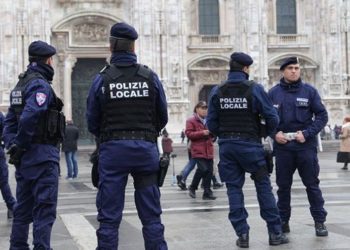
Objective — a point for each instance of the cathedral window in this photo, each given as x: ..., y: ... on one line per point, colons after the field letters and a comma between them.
x: 286, y: 17
x: 209, y: 19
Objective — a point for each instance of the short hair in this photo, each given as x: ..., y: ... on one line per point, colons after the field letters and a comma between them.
x: 235, y: 66
x: 200, y: 104
x: 120, y: 44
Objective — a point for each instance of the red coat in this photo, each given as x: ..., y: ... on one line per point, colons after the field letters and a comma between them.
x: 167, y: 144
x: 201, y: 145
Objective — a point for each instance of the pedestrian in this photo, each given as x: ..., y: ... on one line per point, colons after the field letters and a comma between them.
x: 34, y: 128
x: 187, y: 169
x: 344, y: 152
x: 202, y: 151
x: 167, y: 144
x: 235, y: 108
x: 126, y: 110
x: 183, y: 136
x: 337, y: 131
x: 5, y: 189
x: 328, y: 132
x: 302, y: 116
x: 70, y: 147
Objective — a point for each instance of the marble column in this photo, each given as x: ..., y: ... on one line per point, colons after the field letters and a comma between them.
x: 67, y: 85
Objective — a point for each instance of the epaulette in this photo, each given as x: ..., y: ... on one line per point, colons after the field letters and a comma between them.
x: 144, y: 71
x: 112, y: 71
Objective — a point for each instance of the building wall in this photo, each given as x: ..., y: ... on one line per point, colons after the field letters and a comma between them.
x: 169, y: 42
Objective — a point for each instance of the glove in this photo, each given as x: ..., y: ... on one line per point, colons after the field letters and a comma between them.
x: 16, y: 154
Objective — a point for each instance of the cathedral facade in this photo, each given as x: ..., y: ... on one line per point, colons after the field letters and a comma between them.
x: 187, y: 42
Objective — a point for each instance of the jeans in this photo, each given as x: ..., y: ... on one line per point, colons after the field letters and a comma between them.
x: 72, y: 165
x: 188, y: 168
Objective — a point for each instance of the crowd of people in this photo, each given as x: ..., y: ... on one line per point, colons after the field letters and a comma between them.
x: 126, y: 123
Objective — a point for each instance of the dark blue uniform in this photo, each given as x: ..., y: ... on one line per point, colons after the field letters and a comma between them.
x: 118, y: 159
x: 300, y: 109
x: 4, y: 185
x: 37, y: 172
x: 240, y: 155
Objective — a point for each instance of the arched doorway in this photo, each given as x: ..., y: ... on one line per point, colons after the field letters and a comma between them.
x: 205, y: 92
x: 82, y: 76
x: 204, y: 74
x: 308, y: 72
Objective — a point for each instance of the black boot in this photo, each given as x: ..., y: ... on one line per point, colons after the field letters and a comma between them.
x: 277, y: 239
x: 321, y: 229
x: 285, y: 227
x: 243, y: 241
x: 208, y: 195
x: 345, y: 166
x: 192, y: 192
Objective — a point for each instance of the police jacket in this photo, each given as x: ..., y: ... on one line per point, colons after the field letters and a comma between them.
x: 299, y: 107
x: 260, y: 106
x: 95, y: 110
x: 38, y: 97
x: 201, y: 145
x: 1, y: 131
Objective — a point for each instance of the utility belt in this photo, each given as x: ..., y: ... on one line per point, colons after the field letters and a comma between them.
x: 53, y: 142
x: 129, y: 135
x: 239, y: 137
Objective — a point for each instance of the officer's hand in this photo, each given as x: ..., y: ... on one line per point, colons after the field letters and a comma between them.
x: 299, y: 137
x: 280, y: 138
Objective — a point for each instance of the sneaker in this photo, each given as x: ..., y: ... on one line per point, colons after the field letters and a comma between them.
x: 180, y: 183
x: 192, y: 192
x: 321, y: 229
x: 217, y: 185
x: 285, y: 227
x: 277, y: 239
x: 243, y: 241
x: 9, y: 214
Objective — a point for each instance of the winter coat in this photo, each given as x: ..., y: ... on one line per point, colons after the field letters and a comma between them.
x: 345, y: 138
x: 201, y: 145
x: 167, y: 144
x: 70, y: 140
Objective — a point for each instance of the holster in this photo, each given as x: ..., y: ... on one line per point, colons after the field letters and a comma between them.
x: 16, y: 154
x: 94, y: 170
x: 163, y: 169
x: 269, y: 160
x: 94, y: 175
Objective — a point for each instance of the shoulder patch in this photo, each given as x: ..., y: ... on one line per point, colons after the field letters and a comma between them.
x: 40, y: 98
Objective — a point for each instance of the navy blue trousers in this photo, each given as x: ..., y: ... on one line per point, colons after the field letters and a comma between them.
x: 306, y: 163
x: 110, y: 204
x: 37, y: 188
x: 237, y: 158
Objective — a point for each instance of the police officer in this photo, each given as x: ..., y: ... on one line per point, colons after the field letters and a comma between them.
x: 126, y: 110
x: 302, y: 117
x: 4, y: 177
x: 235, y: 109
x: 34, y: 127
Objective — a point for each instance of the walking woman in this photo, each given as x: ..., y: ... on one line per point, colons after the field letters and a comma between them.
x: 344, y: 152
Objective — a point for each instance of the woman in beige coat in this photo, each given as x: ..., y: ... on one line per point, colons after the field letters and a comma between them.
x: 344, y: 152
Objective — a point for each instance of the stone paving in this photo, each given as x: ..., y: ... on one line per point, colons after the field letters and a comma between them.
x: 192, y: 224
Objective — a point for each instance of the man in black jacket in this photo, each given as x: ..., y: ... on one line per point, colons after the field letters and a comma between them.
x: 69, y: 147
